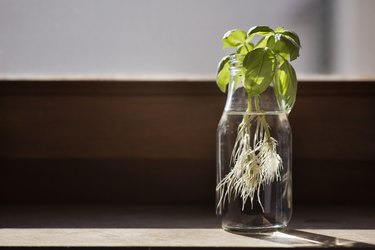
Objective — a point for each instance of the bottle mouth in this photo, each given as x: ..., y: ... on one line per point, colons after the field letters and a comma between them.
x: 235, y: 61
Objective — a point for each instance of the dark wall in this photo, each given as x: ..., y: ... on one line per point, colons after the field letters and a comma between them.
x: 154, y: 142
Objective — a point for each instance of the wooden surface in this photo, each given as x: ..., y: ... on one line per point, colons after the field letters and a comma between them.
x: 92, y: 142
x: 116, y: 226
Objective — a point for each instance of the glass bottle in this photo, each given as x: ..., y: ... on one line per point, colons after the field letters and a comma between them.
x: 268, y: 206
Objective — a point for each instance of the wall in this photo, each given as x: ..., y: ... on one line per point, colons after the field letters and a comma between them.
x: 354, y: 38
x: 159, y: 38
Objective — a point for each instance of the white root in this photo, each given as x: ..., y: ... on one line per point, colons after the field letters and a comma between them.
x: 255, y: 164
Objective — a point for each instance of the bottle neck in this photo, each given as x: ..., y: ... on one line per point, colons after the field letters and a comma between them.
x: 237, y: 95
x: 238, y: 99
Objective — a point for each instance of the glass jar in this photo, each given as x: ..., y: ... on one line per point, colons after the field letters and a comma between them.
x: 254, y: 168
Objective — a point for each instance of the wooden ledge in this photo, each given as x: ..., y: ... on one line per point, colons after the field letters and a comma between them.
x: 171, y: 227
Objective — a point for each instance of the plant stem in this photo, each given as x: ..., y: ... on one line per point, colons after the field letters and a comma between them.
x: 246, y: 118
x: 248, y: 103
x: 262, y: 119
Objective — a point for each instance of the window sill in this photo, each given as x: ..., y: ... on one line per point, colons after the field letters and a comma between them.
x: 163, y: 227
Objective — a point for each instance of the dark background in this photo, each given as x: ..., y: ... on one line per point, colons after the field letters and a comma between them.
x: 124, y: 142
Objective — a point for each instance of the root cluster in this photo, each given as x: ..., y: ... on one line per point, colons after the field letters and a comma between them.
x: 255, y: 163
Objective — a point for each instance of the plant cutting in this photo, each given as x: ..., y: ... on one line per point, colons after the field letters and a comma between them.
x: 259, y: 71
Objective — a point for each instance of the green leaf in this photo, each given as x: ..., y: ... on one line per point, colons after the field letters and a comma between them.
x: 245, y: 48
x: 223, y: 74
x: 286, y: 47
x: 285, y: 85
x: 263, y: 42
x: 280, y: 46
x: 279, y: 30
x: 260, y: 30
x: 234, y: 38
x: 259, y: 70
x: 271, y: 42
x: 292, y: 35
